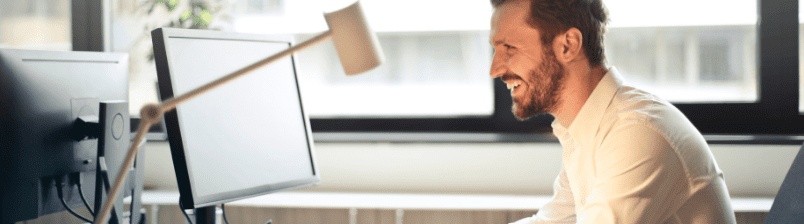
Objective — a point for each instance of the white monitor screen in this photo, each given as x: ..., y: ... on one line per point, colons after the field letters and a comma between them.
x: 245, y: 138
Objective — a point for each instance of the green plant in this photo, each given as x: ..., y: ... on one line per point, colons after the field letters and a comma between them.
x: 198, y: 16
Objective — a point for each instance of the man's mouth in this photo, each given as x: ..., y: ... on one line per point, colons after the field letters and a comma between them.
x: 512, y: 85
x: 511, y: 80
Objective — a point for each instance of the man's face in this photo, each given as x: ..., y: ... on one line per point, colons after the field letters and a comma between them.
x: 521, y: 60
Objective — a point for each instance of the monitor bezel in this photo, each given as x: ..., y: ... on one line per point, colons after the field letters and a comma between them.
x: 183, y: 174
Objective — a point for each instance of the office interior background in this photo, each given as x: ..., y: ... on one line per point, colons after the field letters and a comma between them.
x: 417, y: 125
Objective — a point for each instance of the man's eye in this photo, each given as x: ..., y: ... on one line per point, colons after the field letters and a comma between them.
x: 509, y: 49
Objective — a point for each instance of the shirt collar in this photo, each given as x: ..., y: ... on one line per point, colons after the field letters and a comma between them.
x: 586, y: 123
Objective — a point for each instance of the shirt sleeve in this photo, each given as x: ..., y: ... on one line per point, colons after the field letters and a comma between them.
x: 639, y: 179
x: 560, y: 209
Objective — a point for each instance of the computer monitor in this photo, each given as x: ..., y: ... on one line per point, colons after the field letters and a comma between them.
x: 247, y: 138
x: 41, y: 95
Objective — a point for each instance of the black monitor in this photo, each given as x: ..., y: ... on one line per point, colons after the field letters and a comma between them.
x: 247, y: 138
x: 42, y: 93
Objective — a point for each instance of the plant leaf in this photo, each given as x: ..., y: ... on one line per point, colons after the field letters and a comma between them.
x: 206, y: 17
x: 172, y: 4
x: 185, y: 15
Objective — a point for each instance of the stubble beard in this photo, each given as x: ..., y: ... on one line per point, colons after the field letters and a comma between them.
x: 543, y: 87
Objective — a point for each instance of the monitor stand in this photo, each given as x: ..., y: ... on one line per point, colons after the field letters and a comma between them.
x: 111, y: 130
x: 113, y: 141
x: 205, y: 215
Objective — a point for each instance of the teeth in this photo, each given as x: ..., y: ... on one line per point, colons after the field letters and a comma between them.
x: 512, y: 85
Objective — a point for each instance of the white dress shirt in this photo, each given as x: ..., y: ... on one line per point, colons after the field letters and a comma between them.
x: 630, y: 157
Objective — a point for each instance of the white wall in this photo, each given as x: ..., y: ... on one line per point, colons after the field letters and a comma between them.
x: 481, y: 168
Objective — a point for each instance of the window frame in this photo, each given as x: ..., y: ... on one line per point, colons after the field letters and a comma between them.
x: 775, y: 112
x: 90, y: 25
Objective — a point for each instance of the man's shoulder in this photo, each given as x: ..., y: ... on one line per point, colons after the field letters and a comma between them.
x: 646, y: 117
x: 633, y: 106
x: 635, y: 109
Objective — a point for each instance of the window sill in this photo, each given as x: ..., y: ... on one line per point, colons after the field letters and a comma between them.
x: 422, y: 137
x: 339, y: 200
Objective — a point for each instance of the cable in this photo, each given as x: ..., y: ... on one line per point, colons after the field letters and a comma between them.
x: 84, y: 199
x: 224, y: 213
x: 64, y: 203
x: 181, y: 207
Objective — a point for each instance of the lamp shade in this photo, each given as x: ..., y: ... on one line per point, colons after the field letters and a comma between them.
x: 357, y: 46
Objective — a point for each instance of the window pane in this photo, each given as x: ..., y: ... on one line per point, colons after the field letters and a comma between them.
x: 707, y: 55
x: 35, y: 25
x: 437, y: 62
x: 425, y: 74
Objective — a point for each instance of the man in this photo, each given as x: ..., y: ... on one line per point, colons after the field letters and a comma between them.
x: 628, y: 157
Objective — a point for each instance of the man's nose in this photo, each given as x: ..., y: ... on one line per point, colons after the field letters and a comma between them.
x: 499, y: 65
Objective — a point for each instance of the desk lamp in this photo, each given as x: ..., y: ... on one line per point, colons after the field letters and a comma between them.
x: 355, y: 42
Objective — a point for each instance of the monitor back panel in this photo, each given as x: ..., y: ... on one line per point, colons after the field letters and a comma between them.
x: 246, y: 138
x: 41, y: 94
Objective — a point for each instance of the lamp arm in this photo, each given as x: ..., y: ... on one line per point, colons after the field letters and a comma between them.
x: 152, y: 114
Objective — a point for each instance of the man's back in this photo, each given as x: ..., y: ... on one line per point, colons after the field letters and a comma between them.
x: 707, y: 199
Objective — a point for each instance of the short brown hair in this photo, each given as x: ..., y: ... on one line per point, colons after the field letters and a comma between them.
x: 555, y: 16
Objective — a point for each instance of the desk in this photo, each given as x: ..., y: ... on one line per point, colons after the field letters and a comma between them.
x: 401, y: 202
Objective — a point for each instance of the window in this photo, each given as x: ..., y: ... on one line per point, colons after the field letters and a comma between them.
x: 35, y: 25
x: 434, y: 68
x: 724, y: 68
x: 707, y: 55
x: 426, y: 74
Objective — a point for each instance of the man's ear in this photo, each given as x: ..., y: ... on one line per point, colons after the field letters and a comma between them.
x: 567, y: 45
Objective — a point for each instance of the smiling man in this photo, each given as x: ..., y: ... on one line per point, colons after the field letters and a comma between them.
x: 628, y: 156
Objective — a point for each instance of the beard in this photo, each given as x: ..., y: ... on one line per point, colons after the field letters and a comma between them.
x: 542, y: 88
